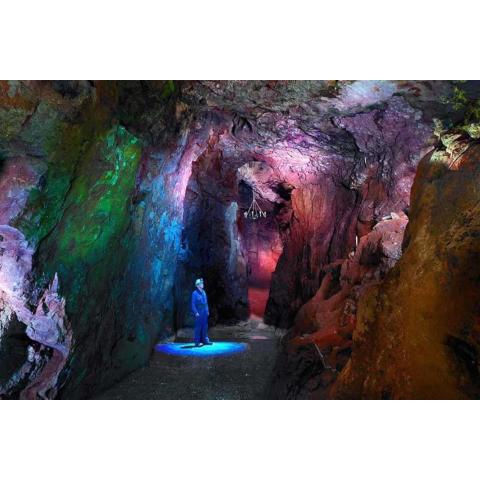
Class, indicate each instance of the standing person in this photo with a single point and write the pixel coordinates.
(200, 312)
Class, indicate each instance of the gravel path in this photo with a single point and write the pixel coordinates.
(240, 375)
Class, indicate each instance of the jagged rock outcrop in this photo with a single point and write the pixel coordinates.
(322, 229)
(328, 215)
(319, 344)
(417, 333)
(48, 331)
(74, 182)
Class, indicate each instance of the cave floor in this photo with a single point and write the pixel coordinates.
(240, 376)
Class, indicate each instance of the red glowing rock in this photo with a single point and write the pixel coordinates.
(327, 321)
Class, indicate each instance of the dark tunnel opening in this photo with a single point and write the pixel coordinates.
(262, 245)
(236, 254)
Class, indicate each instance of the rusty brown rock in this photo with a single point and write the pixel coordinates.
(418, 333)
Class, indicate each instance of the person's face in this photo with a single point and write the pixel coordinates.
(200, 286)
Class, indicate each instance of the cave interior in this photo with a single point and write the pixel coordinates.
(361, 266)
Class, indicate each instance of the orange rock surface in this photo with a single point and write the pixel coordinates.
(418, 332)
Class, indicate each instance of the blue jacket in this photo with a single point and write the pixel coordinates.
(199, 302)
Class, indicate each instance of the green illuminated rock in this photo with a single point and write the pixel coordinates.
(80, 221)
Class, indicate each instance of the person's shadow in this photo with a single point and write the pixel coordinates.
(190, 346)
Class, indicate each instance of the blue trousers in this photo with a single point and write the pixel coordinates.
(201, 328)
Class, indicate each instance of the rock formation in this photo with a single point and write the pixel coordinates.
(320, 342)
(417, 332)
(38, 367)
(115, 196)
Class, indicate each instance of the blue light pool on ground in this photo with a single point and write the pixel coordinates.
(187, 349)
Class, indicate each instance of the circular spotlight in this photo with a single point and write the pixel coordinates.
(189, 350)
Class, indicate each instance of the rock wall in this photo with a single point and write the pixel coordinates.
(347, 200)
(98, 207)
(80, 223)
(34, 345)
(36, 335)
(321, 230)
(319, 344)
(417, 333)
